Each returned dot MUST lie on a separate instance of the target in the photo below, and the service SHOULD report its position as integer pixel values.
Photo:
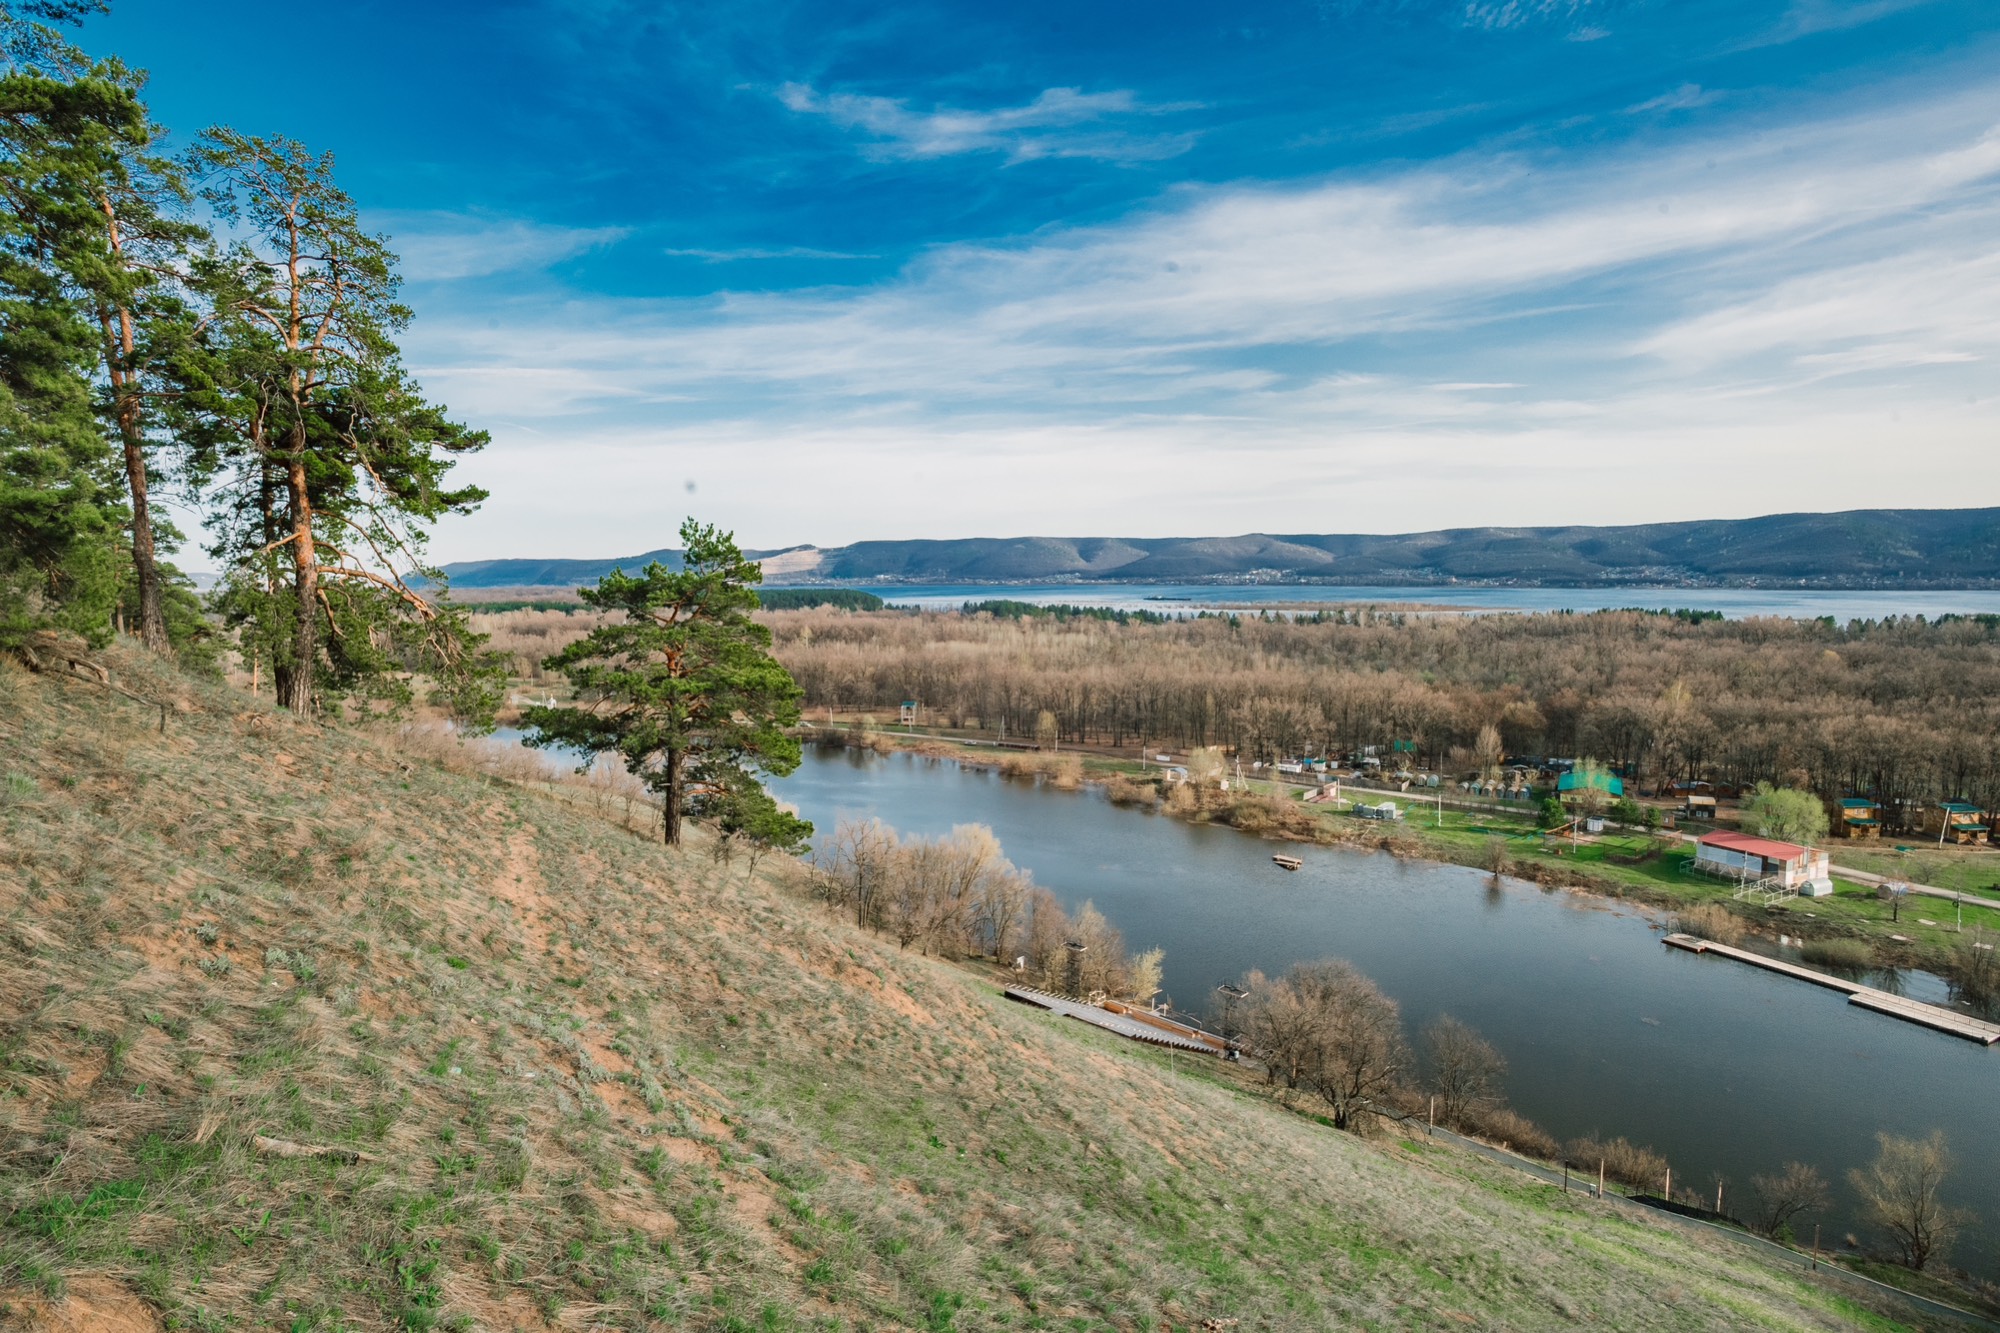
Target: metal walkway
(1110, 1022)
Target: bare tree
(1796, 1188)
(858, 862)
(1363, 1055)
(1465, 1070)
(1002, 907)
(1902, 1192)
(1047, 933)
(1327, 1028)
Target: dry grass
(1710, 921)
(1641, 1168)
(1843, 955)
(1063, 771)
(574, 1080)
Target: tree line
(959, 896)
(214, 322)
(1325, 1030)
(1904, 709)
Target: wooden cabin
(1745, 857)
(1957, 822)
(1855, 817)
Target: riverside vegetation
(1902, 707)
(306, 1027)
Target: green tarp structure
(1569, 782)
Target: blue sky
(825, 272)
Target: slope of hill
(1912, 548)
(303, 1029)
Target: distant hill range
(1908, 548)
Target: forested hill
(1861, 548)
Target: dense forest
(1906, 709)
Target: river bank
(1724, 1070)
(1651, 871)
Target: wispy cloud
(758, 252)
(1059, 122)
(1736, 299)
(442, 247)
(1515, 13)
(1684, 98)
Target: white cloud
(1059, 122)
(442, 247)
(1684, 98)
(764, 252)
(1289, 358)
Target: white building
(1744, 856)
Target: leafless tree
(1902, 1192)
(1325, 1028)
(1465, 1070)
(1795, 1189)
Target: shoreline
(1283, 818)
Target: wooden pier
(1153, 1031)
(1933, 1016)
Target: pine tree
(59, 507)
(325, 464)
(685, 690)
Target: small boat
(1287, 862)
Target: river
(1724, 1068)
(1842, 604)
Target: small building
(1746, 857)
(1856, 817)
(1387, 810)
(1698, 807)
(1957, 822)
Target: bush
(1510, 1129)
(1124, 791)
(1711, 921)
(1641, 1168)
(1848, 955)
(1975, 972)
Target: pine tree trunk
(118, 350)
(145, 563)
(298, 692)
(671, 816)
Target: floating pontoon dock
(1868, 997)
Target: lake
(1736, 603)
(1724, 1068)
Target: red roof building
(1744, 856)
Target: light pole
(1230, 993)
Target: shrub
(1509, 1128)
(1711, 921)
(1849, 955)
(1641, 1168)
(1124, 791)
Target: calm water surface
(1724, 1068)
(1737, 603)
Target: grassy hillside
(301, 1030)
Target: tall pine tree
(686, 691)
(324, 462)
